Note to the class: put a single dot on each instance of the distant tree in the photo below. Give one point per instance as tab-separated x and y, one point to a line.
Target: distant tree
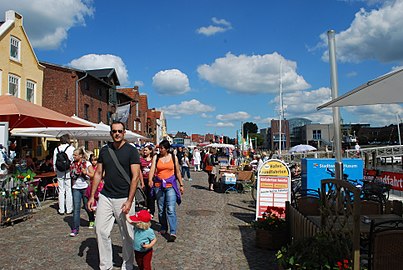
258	138
250	128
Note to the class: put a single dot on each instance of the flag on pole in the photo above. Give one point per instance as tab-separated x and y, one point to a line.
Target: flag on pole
123	113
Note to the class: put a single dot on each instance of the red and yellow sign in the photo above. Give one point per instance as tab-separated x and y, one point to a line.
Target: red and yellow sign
274	185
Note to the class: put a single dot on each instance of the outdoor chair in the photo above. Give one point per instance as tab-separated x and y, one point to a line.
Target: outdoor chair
385	246
369	207
307	201
51	186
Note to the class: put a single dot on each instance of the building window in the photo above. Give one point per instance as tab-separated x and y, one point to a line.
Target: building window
317	134
86	86
99	92
15	48
99	115
13	85
134	125
139	126
137	110
86	111
31	91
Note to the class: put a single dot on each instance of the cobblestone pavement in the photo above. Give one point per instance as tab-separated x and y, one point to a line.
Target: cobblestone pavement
213	233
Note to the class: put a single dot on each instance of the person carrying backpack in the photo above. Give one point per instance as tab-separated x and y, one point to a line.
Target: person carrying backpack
62	159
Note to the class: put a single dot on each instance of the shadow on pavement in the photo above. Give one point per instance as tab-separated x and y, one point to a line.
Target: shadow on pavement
199	187
258	259
90	246
245	217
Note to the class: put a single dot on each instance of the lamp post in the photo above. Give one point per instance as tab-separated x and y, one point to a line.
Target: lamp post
336	110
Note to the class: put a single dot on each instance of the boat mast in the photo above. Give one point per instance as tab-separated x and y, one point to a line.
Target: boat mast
281	109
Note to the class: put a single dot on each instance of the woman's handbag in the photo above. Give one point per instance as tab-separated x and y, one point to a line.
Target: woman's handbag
208	168
140	198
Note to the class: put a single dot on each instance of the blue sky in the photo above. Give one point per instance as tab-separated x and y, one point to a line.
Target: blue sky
212	64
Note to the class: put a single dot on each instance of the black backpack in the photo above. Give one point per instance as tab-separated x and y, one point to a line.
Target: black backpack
62	160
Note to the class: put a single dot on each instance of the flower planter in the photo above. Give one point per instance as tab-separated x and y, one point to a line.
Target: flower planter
271	239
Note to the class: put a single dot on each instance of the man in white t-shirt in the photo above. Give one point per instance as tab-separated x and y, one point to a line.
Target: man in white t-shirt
63	177
357	149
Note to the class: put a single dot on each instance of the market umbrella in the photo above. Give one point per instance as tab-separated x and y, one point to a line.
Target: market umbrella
301	148
220	145
97	132
176	145
20	113
386	89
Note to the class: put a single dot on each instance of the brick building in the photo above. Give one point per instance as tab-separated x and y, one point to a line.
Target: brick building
90	95
197	138
131	96
78	92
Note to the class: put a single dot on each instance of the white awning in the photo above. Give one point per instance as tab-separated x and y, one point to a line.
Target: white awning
387	89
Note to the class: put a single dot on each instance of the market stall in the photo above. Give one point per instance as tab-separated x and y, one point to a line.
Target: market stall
17	184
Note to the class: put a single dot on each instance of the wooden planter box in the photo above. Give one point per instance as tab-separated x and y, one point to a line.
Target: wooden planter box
271	239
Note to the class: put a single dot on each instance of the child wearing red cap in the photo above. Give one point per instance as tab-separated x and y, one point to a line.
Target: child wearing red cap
144	238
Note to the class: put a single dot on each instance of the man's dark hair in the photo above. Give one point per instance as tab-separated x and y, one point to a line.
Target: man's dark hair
118	122
65	138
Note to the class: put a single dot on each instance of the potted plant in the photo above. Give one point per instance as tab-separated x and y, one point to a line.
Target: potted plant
325	250
271	229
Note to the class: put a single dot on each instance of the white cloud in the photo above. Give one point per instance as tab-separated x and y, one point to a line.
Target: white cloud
233	116
205	115
220	124
352	74
139	83
190	107
47	22
304	104
377	115
253	74
171	82
219	26
375	34
95	61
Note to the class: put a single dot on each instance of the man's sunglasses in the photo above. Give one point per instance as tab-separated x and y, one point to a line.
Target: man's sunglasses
117	130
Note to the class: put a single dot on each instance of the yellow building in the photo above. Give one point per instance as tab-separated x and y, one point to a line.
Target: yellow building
21	74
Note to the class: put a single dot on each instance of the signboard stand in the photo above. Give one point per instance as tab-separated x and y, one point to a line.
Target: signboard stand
273	186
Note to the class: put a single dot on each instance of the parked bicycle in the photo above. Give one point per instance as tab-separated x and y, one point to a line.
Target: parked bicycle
371	189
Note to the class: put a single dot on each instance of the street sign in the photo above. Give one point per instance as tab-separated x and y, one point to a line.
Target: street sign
274	186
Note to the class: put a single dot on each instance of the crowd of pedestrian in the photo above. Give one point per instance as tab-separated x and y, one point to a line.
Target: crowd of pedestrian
106	186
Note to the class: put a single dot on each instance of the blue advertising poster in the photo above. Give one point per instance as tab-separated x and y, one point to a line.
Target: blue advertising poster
316	169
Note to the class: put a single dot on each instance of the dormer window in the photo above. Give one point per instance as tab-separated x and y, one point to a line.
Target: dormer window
15	48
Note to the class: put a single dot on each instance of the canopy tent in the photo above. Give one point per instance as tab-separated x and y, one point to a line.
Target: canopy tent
386	89
20	113
130	135
98	132
220	145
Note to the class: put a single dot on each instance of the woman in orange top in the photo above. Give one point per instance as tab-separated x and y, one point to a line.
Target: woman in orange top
165	168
